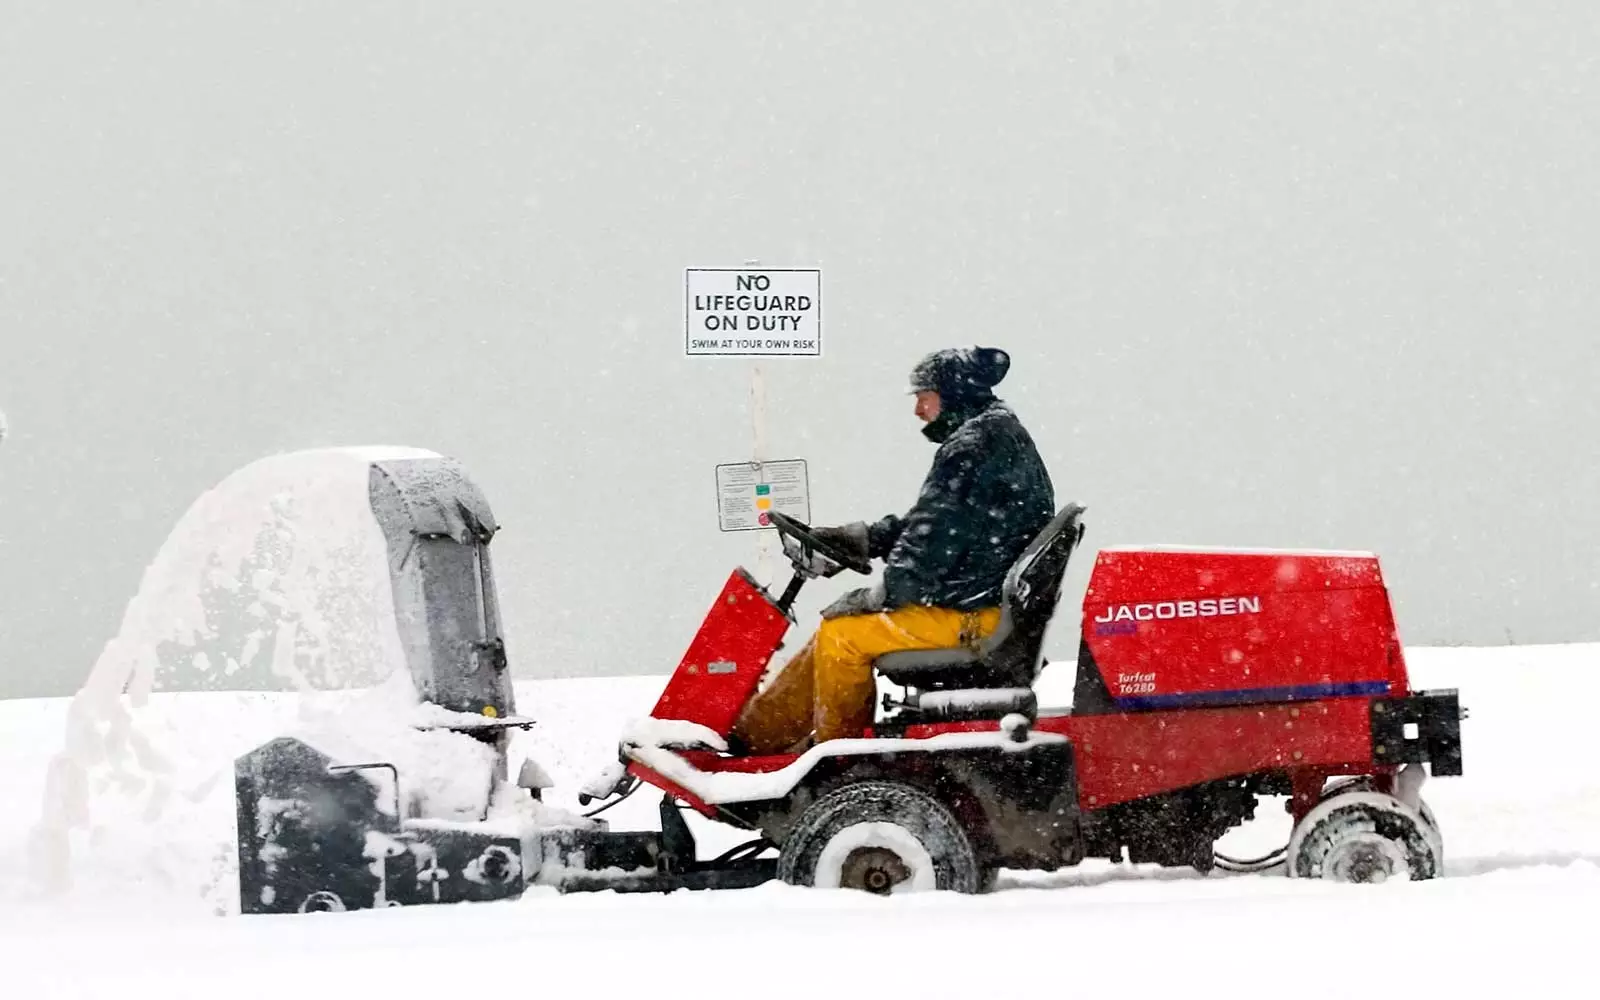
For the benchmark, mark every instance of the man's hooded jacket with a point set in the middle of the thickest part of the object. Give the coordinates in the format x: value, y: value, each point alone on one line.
x: 985, y: 498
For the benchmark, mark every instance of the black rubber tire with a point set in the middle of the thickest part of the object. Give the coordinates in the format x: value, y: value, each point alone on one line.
x: 322, y: 901
x: 988, y: 878
x: 1365, y: 783
x: 934, y: 827
x: 1362, y: 817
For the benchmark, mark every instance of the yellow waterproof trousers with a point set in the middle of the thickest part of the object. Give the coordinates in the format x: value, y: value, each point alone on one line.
x: 827, y: 690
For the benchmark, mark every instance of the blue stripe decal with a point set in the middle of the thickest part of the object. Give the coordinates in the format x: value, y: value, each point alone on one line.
x: 1301, y: 692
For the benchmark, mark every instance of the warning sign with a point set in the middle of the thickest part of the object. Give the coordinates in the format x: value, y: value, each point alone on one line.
x: 747, y: 492
x: 766, y: 312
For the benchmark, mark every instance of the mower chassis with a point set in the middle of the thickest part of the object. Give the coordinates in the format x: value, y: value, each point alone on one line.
x: 1049, y: 806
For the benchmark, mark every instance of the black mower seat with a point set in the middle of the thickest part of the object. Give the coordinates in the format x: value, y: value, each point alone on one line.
x: 1011, y: 656
x: 906, y: 664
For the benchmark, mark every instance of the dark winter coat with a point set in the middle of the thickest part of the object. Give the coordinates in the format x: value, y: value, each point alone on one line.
x: 987, y: 496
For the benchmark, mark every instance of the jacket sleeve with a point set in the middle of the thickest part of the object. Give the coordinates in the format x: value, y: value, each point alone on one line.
x: 882, y: 534
x: 936, y: 533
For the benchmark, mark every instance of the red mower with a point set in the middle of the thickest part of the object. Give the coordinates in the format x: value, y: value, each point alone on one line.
x: 1205, y: 679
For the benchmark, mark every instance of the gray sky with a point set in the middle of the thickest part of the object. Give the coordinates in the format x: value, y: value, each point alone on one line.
x: 1272, y: 274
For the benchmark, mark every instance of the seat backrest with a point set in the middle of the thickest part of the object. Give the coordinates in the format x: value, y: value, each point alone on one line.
x: 1012, y: 654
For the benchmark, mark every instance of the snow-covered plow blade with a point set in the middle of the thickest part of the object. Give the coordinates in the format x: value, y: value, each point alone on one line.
x: 317, y: 835
x: 400, y: 795
x: 314, y: 836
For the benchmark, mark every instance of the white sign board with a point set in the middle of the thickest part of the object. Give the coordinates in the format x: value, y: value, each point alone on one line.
x: 748, y: 491
x: 752, y: 312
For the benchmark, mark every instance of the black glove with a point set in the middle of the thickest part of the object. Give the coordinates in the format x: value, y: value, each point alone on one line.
x: 850, y: 539
x: 861, y: 601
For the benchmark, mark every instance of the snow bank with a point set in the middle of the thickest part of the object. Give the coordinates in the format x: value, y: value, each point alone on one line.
x: 443, y: 774
x: 1522, y: 831
x: 1524, y: 818
x: 277, y: 577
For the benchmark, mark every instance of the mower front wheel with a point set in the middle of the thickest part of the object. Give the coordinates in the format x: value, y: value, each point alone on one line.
x: 883, y: 837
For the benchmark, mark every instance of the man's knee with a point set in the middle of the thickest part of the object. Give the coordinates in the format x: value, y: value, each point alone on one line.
x: 833, y: 638
x: 850, y: 639
x: 846, y: 648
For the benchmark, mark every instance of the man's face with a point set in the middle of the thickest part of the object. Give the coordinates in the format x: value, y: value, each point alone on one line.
x: 928, y: 406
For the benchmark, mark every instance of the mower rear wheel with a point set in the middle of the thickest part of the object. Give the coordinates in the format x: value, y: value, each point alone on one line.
x: 1430, y: 824
x: 1364, y: 836
x: 883, y: 837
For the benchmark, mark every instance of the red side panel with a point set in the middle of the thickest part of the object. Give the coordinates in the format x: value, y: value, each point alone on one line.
x: 1125, y: 757
x: 673, y: 789
x: 1178, y: 628
x: 725, y: 661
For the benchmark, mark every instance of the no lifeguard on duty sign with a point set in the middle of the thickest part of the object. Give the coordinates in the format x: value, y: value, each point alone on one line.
x: 752, y: 312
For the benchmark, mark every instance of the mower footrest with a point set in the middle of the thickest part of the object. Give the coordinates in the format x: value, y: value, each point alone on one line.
x: 729, y: 875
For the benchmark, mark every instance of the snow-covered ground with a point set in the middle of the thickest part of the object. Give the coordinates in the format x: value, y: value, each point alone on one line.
x: 150, y: 909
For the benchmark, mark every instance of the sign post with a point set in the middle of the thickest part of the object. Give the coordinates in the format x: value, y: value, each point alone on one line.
x: 755, y: 312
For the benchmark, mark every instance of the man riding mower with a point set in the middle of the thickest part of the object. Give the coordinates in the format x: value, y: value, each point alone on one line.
x: 986, y: 497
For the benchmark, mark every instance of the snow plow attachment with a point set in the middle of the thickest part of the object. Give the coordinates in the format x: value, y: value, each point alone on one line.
x: 399, y: 801
x: 314, y: 837
x: 330, y: 819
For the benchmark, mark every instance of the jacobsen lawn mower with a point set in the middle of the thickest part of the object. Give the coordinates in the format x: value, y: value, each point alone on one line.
x: 1205, y: 679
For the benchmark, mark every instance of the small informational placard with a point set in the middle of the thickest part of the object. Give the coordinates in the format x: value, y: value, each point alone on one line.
x: 752, y: 312
x: 747, y: 493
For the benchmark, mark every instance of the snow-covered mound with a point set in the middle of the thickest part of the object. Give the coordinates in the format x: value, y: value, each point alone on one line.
x: 278, y: 577
x: 1527, y: 797
x: 1521, y: 832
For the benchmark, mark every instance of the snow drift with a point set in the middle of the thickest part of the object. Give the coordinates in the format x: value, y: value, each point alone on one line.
x: 278, y: 577
x: 1521, y: 830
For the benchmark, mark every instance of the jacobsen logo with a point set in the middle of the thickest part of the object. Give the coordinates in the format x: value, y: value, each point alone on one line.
x: 1163, y: 610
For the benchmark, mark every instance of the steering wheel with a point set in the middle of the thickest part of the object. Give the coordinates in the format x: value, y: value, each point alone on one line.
x: 801, y: 532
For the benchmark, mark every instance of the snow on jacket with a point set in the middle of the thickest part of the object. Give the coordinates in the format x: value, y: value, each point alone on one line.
x: 987, y: 496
